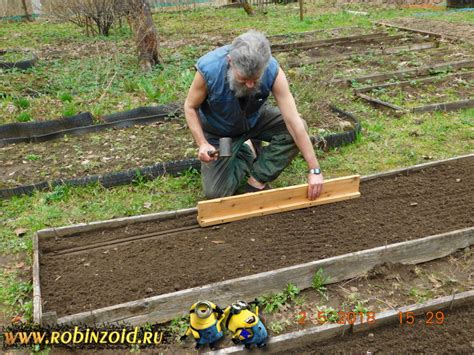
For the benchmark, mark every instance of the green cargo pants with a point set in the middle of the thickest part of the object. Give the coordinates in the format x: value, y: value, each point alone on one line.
x: 224, y: 176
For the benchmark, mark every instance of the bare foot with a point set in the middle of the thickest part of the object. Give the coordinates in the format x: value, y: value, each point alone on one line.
x: 254, y: 183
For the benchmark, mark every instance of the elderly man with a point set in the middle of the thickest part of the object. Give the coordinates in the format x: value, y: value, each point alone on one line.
x: 226, y: 99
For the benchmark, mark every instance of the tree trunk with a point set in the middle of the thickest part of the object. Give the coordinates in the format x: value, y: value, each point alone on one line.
x: 25, y: 7
x: 146, y: 34
x: 247, y: 7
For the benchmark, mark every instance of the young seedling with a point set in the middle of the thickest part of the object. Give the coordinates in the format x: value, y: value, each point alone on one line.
x: 21, y: 103
x: 319, y: 280
x: 419, y: 295
x: 360, y: 308
x: 24, y: 117
x: 32, y: 157
x: 275, y: 301
x: 178, y: 326
x: 278, y: 326
x: 327, y: 315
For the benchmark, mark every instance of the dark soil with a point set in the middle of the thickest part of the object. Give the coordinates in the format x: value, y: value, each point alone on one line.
x: 391, y: 209
x: 97, y: 153
x: 454, y: 336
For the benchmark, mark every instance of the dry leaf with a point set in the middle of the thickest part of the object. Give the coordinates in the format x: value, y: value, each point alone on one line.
x: 16, y: 319
x: 20, y: 231
x: 434, y: 281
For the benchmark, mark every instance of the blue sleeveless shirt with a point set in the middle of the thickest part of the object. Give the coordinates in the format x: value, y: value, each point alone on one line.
x: 221, y: 113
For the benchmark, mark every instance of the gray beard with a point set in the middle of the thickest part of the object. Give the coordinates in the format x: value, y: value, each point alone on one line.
x: 241, y: 90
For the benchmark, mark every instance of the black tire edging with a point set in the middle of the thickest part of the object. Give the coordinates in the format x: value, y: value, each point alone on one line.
x: 31, y: 130
x: 109, y: 180
x: 172, y: 109
x: 22, y: 65
x: 340, y: 139
x: 130, y: 118
x: 175, y: 167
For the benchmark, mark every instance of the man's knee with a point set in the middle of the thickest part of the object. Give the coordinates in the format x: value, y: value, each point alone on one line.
x: 215, y: 192
x: 217, y: 186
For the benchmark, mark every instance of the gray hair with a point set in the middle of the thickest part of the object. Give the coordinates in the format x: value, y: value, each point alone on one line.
x: 250, y: 53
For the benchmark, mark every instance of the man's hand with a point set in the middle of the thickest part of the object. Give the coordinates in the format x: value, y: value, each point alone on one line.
x: 315, y: 185
x: 204, y: 150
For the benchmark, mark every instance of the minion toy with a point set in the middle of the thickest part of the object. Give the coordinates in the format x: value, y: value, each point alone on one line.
x: 245, y: 325
x: 205, y: 320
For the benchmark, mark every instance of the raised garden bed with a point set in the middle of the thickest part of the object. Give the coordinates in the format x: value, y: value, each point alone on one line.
x: 43, y: 131
x: 370, y: 44
x: 385, y: 290
x: 440, y: 93
x: 151, y: 149
x: 348, y: 41
x: 434, y: 199
x: 436, y: 28
x: 407, y: 74
x: 453, y: 335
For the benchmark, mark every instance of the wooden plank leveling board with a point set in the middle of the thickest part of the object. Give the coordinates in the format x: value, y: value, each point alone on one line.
x: 234, y: 208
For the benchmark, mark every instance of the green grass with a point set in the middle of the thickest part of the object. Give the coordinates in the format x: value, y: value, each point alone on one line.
x: 101, y: 80
x: 102, y: 73
x: 452, y: 16
x: 15, y: 294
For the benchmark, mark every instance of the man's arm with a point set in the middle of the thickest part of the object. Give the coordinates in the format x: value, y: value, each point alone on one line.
x: 294, y: 123
x: 196, y: 96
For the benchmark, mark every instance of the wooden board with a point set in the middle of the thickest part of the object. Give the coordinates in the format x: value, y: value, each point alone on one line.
x: 165, y: 307
x: 380, y: 103
x: 37, y: 305
x: 286, y: 342
x: 423, y: 32
x: 73, y: 229
x: 234, y: 208
x: 282, y: 47
x: 445, y: 106
x: 415, y: 81
x: 408, y: 73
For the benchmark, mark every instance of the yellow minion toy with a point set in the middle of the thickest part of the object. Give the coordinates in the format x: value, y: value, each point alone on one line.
x: 205, y: 320
x: 245, y: 325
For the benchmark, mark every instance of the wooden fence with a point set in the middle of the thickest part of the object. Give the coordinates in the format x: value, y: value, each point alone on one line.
x: 14, y: 8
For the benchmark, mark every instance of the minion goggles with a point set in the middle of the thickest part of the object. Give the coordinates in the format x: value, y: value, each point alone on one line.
x: 207, y: 311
